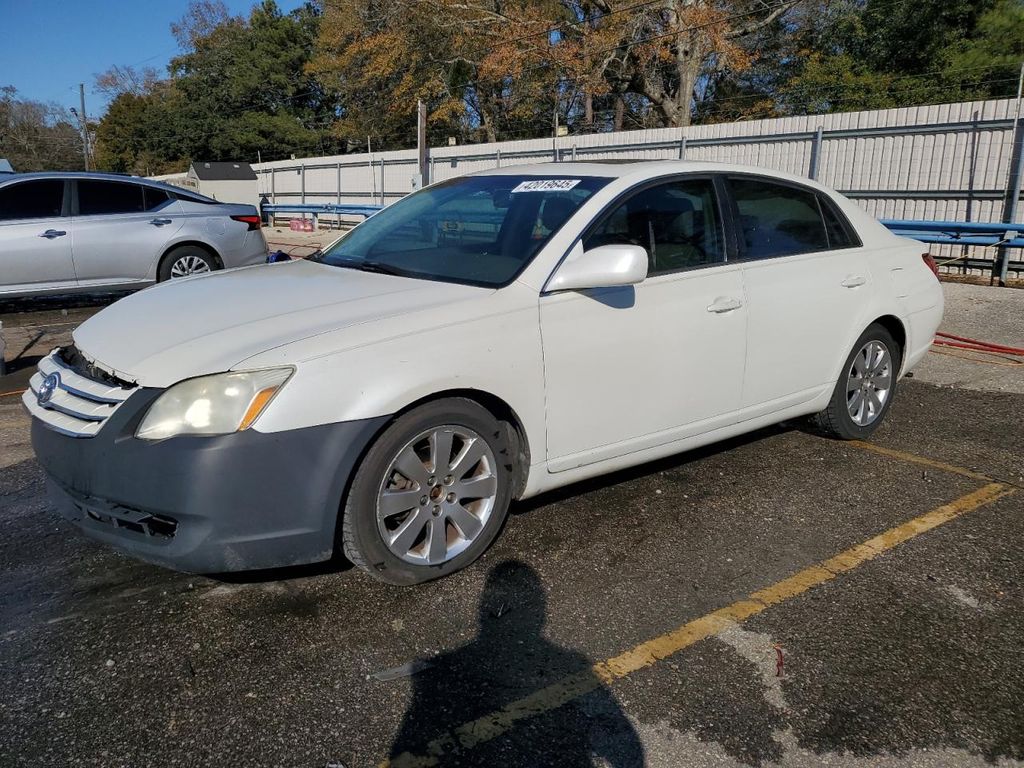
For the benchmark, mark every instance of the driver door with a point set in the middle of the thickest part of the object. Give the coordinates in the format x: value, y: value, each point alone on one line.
x: 636, y: 367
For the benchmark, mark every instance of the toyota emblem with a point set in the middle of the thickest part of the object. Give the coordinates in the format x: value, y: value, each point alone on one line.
x: 47, y: 388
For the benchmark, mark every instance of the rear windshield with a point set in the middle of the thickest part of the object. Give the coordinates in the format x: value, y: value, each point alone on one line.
x: 480, y: 230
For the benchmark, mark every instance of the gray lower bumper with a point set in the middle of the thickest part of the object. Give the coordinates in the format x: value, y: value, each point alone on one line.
x: 205, y: 504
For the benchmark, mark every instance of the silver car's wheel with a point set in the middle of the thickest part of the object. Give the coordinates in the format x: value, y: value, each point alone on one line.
x: 186, y: 260
x: 189, y: 265
x: 868, y: 383
x: 437, y: 495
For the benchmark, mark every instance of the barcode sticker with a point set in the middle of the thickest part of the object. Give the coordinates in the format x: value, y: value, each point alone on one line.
x: 546, y: 185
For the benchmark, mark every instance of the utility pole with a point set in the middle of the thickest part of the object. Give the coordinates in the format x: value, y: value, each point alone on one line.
x: 421, y: 144
x: 554, y: 136
x: 85, y: 125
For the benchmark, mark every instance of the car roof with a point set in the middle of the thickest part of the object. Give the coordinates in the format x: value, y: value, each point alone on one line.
x: 637, y: 170
x: 124, y: 177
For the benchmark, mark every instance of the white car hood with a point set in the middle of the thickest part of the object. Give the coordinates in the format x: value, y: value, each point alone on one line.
x: 194, y: 326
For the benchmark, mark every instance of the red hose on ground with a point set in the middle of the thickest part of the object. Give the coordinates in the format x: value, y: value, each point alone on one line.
x: 962, y: 342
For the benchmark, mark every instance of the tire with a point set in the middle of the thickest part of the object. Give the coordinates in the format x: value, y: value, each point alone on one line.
x: 392, y: 515
x: 850, y: 416
x: 186, y: 260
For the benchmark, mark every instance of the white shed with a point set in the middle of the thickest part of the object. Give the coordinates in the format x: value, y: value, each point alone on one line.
x: 226, y: 182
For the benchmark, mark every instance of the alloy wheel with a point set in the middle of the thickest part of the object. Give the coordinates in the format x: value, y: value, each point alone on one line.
x: 189, y: 265
x: 869, y: 383
x: 437, y: 495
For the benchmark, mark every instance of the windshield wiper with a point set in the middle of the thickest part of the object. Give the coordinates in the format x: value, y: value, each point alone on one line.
x: 372, y: 266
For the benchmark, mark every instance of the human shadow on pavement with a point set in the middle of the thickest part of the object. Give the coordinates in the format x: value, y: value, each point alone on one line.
x: 508, y: 660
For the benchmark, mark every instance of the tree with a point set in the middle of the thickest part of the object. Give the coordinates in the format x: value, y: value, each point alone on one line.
x: 668, y: 52
x: 239, y: 92
x: 989, y: 60
x: 879, y: 54
x: 38, y: 137
x: 125, y: 79
x: 470, y: 61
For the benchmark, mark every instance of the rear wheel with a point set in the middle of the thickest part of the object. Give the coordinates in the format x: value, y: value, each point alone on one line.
x: 865, y: 388
x: 431, y: 494
x: 186, y: 260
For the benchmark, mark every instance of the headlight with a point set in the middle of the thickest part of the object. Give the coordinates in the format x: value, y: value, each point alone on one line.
x: 212, y: 405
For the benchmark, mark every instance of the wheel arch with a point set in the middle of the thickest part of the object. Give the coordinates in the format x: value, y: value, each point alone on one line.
x: 496, y: 406
x: 895, y: 327
x: 501, y: 411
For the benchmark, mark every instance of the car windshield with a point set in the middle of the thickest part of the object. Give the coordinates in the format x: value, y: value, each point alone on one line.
x: 480, y: 230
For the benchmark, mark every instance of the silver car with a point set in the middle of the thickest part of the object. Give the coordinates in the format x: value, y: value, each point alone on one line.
x: 88, y: 232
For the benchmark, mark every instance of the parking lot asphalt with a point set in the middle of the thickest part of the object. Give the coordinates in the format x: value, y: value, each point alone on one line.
x: 780, y: 599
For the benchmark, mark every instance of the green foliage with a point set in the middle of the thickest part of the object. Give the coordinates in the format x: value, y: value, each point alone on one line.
x: 887, y: 54
x: 240, y: 93
x: 991, y: 57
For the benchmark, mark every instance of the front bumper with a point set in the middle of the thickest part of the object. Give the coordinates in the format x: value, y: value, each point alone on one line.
x: 244, y: 501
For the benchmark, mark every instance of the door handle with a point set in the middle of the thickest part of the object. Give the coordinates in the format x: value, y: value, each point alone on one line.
x: 723, y: 304
x: 52, y: 233
x: 853, y: 281
x: 160, y: 222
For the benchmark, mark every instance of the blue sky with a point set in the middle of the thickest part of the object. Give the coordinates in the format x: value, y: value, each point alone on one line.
x: 48, y: 47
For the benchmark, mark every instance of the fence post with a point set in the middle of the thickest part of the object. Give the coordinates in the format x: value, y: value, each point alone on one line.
x: 338, y: 185
x: 816, y: 153
x: 574, y: 153
x: 682, y: 148
x: 497, y: 158
x: 1013, y: 183
x: 382, y: 181
x: 302, y: 175
x: 273, y: 187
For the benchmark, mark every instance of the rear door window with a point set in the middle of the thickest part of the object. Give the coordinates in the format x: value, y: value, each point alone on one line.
x: 154, y: 199
x: 97, y: 198
x: 840, y: 233
x: 40, y: 199
x: 777, y: 219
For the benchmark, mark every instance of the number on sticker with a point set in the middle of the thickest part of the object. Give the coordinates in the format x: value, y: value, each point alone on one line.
x: 546, y: 185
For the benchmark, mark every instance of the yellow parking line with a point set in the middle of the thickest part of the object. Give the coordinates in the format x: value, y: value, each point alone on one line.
x: 469, y: 735
x: 915, y: 459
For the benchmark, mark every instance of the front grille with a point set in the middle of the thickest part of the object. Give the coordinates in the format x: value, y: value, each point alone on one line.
x: 151, y: 526
x: 72, y: 358
x: 84, y: 398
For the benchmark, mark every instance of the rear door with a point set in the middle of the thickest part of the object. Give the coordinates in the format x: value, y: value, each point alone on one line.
x: 120, y: 229
x: 807, y: 285
x: 35, y: 243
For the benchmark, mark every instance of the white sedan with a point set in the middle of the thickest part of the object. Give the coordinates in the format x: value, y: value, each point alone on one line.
x: 486, y: 339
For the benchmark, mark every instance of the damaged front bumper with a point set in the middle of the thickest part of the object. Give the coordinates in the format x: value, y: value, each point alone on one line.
x: 243, y: 501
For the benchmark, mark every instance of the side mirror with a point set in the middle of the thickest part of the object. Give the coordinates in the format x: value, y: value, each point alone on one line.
x: 606, y: 266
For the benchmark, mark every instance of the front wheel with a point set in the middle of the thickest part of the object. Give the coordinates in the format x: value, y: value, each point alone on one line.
x: 431, y: 494
x: 865, y: 388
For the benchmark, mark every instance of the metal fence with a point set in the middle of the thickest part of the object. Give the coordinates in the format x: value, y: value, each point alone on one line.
x: 950, y: 162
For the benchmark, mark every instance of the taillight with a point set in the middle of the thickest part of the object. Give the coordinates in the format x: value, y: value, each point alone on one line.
x: 930, y: 263
x: 253, y: 221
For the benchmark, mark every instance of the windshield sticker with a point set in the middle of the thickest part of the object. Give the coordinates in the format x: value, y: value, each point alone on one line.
x: 547, y: 185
